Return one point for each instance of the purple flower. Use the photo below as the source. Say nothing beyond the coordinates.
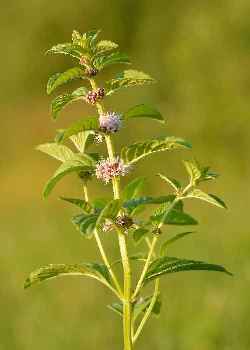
(110, 122)
(106, 169)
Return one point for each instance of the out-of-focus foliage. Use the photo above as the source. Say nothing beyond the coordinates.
(199, 53)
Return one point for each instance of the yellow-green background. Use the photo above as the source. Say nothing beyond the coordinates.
(199, 51)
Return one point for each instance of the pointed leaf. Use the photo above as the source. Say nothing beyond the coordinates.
(59, 79)
(80, 203)
(173, 217)
(198, 173)
(210, 198)
(106, 45)
(83, 163)
(82, 140)
(132, 190)
(131, 154)
(63, 100)
(70, 49)
(143, 111)
(94, 270)
(54, 150)
(165, 265)
(172, 182)
(127, 79)
(106, 59)
(85, 224)
(86, 124)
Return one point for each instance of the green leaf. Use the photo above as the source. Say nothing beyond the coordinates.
(54, 150)
(82, 140)
(94, 270)
(85, 224)
(106, 45)
(63, 100)
(134, 204)
(131, 154)
(174, 239)
(86, 124)
(80, 163)
(210, 198)
(132, 190)
(142, 305)
(103, 60)
(165, 265)
(139, 234)
(80, 203)
(173, 217)
(197, 173)
(110, 211)
(139, 307)
(143, 111)
(59, 79)
(70, 49)
(172, 182)
(127, 79)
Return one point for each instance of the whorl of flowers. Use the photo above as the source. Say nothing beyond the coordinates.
(110, 122)
(106, 169)
(95, 95)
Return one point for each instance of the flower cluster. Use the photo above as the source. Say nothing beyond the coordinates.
(124, 221)
(95, 95)
(106, 169)
(110, 122)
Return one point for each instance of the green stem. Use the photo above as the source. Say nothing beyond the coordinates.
(118, 290)
(122, 245)
(145, 268)
(148, 312)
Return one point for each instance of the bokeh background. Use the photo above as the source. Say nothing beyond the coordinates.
(199, 51)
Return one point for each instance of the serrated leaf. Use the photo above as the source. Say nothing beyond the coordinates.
(70, 49)
(166, 265)
(174, 239)
(127, 79)
(86, 124)
(79, 163)
(172, 182)
(134, 204)
(59, 79)
(131, 154)
(106, 45)
(198, 173)
(173, 217)
(103, 60)
(63, 100)
(80, 203)
(132, 189)
(139, 234)
(85, 224)
(94, 270)
(210, 198)
(143, 111)
(60, 152)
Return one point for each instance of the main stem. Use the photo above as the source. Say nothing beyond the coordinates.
(127, 319)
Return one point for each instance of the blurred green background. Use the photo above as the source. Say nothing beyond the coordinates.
(199, 51)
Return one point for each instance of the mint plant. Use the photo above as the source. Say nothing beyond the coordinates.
(122, 215)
